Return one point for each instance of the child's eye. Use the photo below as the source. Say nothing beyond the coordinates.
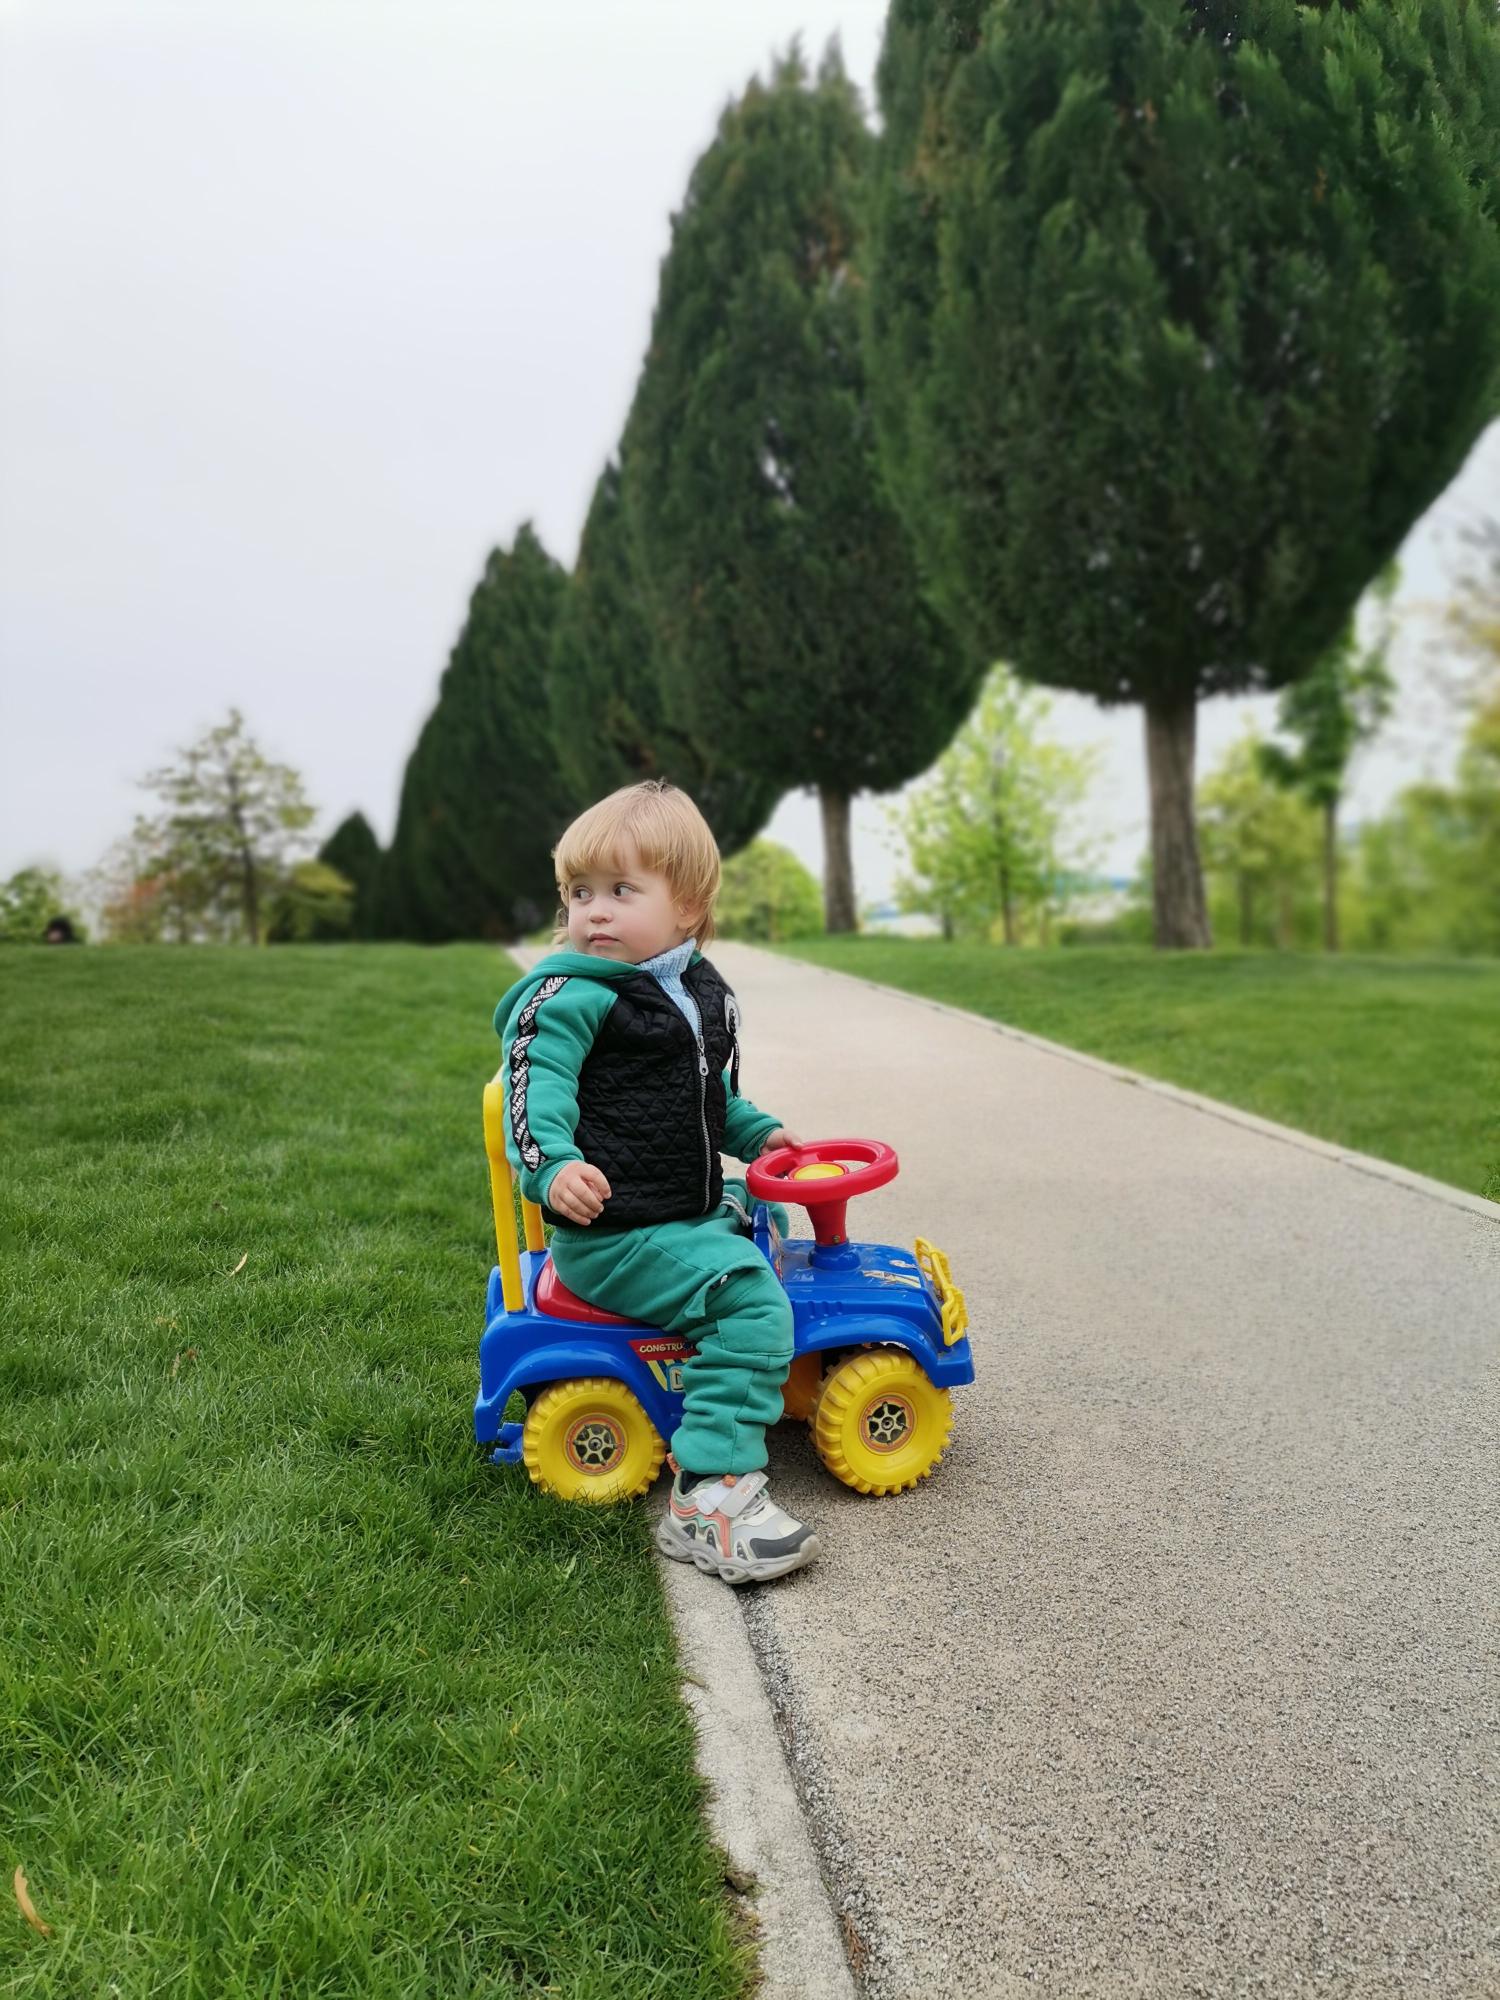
(626, 885)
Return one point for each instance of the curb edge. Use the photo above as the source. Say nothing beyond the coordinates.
(754, 1810)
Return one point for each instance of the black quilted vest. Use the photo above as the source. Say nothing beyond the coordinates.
(650, 1111)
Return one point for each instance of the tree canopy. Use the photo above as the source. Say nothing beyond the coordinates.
(32, 899)
(1426, 875)
(482, 801)
(992, 835)
(1330, 714)
(1180, 316)
(354, 853)
(1260, 848)
(314, 902)
(795, 636)
(768, 894)
(233, 821)
(608, 718)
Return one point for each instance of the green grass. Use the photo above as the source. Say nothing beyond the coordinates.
(298, 1696)
(1393, 1057)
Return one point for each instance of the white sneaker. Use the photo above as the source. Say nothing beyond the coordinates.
(733, 1528)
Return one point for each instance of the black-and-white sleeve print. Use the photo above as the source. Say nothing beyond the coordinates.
(732, 1023)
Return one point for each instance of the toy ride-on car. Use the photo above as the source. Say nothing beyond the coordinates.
(879, 1340)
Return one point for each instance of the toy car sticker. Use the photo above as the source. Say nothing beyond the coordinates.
(664, 1355)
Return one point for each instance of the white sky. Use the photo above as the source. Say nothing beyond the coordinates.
(307, 304)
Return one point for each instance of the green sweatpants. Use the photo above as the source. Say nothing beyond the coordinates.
(704, 1280)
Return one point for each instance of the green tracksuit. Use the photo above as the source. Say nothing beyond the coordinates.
(698, 1274)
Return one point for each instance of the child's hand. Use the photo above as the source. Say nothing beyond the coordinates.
(780, 1137)
(578, 1191)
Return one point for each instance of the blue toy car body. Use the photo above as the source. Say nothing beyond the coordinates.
(879, 1338)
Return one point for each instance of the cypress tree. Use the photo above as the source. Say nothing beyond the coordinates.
(604, 693)
(1180, 316)
(795, 638)
(354, 851)
(482, 801)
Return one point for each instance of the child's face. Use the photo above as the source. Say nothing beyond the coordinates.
(626, 914)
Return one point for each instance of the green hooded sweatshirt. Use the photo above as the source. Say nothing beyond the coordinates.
(542, 1079)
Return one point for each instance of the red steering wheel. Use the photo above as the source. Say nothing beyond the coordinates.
(820, 1178)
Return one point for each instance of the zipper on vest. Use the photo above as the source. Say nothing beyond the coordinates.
(703, 1118)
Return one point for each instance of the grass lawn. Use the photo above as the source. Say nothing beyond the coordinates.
(298, 1696)
(1399, 1058)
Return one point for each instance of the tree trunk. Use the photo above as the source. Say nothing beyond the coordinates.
(1285, 929)
(1247, 913)
(251, 897)
(947, 927)
(1331, 875)
(249, 889)
(1181, 917)
(1007, 905)
(838, 869)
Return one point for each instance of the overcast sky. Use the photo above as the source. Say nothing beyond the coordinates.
(305, 305)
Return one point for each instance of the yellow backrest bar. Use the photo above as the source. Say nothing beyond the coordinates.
(506, 1247)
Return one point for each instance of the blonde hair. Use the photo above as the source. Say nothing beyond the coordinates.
(670, 837)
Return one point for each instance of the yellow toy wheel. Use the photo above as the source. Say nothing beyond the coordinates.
(799, 1392)
(880, 1424)
(590, 1440)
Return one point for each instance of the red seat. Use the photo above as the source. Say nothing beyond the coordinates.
(553, 1297)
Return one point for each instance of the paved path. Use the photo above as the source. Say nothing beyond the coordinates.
(1178, 1675)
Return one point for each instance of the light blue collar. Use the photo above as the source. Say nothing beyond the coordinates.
(671, 963)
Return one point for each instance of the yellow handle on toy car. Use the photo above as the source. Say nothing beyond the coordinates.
(955, 1314)
(507, 1250)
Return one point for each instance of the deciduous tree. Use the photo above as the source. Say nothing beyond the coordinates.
(232, 823)
(1330, 714)
(1427, 872)
(768, 894)
(29, 901)
(992, 835)
(313, 902)
(1260, 845)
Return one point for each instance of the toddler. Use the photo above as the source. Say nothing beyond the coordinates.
(622, 1066)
